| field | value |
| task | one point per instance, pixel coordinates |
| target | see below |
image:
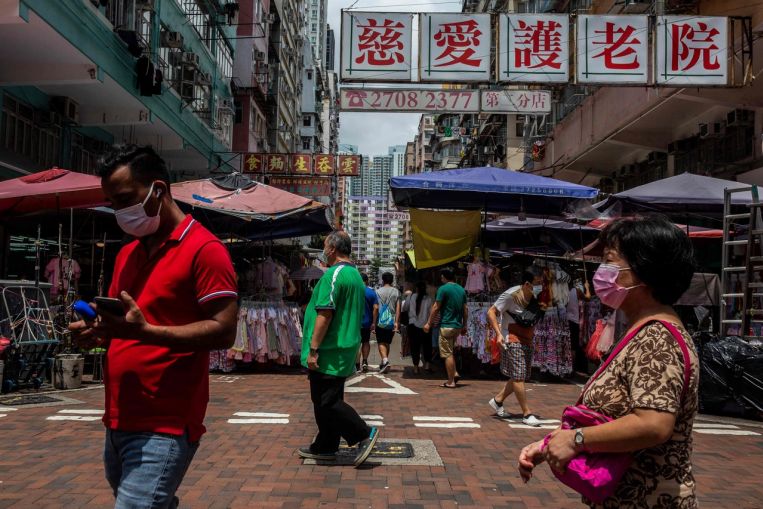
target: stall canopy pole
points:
(37, 257)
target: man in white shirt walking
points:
(517, 343)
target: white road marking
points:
(394, 387)
(258, 421)
(81, 412)
(372, 417)
(73, 418)
(226, 379)
(447, 425)
(373, 420)
(7, 409)
(737, 432)
(3, 415)
(714, 426)
(518, 420)
(261, 414)
(444, 419)
(375, 423)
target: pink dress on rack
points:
(476, 278)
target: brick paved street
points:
(50, 456)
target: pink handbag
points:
(596, 475)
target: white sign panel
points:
(613, 49)
(516, 101)
(533, 48)
(454, 47)
(376, 46)
(692, 50)
(409, 100)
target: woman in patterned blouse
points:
(648, 265)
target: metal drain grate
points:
(28, 399)
(399, 450)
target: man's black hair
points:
(387, 278)
(447, 274)
(528, 277)
(146, 166)
(364, 276)
(659, 253)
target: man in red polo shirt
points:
(178, 289)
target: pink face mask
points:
(607, 288)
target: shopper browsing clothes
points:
(513, 318)
(648, 385)
(418, 307)
(388, 323)
(177, 288)
(368, 324)
(450, 305)
(329, 348)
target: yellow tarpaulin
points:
(440, 237)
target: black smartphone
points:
(109, 305)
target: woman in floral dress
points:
(648, 266)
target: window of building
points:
(306, 121)
(224, 57)
(520, 126)
(309, 75)
(37, 139)
(199, 20)
(314, 27)
(306, 143)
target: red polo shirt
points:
(160, 388)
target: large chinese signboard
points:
(253, 163)
(303, 186)
(613, 49)
(301, 164)
(692, 50)
(323, 164)
(349, 166)
(410, 100)
(276, 163)
(376, 46)
(516, 101)
(533, 48)
(454, 47)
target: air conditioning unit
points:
(712, 130)
(204, 79)
(657, 157)
(270, 18)
(739, 118)
(145, 5)
(171, 39)
(66, 107)
(189, 59)
(636, 6)
(187, 91)
(259, 56)
(226, 104)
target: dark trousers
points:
(335, 418)
(581, 362)
(421, 344)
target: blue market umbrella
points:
(490, 189)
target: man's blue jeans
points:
(146, 469)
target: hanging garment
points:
(553, 350)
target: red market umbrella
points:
(695, 232)
(49, 190)
(244, 199)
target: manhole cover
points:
(28, 399)
(381, 450)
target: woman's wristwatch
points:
(579, 439)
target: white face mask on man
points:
(134, 221)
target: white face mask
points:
(134, 221)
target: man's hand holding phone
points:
(125, 322)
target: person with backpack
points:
(368, 324)
(388, 323)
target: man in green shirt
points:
(330, 342)
(450, 303)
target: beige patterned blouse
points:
(649, 373)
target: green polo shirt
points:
(451, 297)
(341, 289)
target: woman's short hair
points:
(659, 253)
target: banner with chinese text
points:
(516, 101)
(376, 46)
(613, 49)
(349, 166)
(692, 50)
(454, 47)
(409, 100)
(303, 186)
(533, 48)
(276, 163)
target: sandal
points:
(445, 385)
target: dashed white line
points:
(525, 426)
(429, 421)
(259, 418)
(78, 414)
(714, 426)
(737, 432)
(373, 420)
